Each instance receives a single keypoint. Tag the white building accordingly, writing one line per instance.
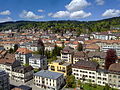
(23, 54)
(49, 80)
(38, 61)
(104, 36)
(110, 44)
(85, 71)
(89, 72)
(67, 54)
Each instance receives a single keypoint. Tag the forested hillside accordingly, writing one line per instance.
(63, 26)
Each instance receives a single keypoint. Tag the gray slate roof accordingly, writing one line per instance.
(48, 74)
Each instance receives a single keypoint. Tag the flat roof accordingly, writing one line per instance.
(48, 74)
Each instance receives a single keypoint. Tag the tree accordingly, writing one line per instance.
(79, 83)
(56, 51)
(111, 58)
(70, 82)
(80, 47)
(106, 87)
(15, 47)
(11, 50)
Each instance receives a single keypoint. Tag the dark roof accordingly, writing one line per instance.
(96, 54)
(48, 74)
(37, 56)
(67, 49)
(114, 67)
(23, 69)
(79, 54)
(24, 87)
(89, 65)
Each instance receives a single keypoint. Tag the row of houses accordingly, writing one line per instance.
(89, 72)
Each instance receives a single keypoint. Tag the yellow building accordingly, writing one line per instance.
(61, 67)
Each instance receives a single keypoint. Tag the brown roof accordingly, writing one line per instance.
(92, 46)
(88, 65)
(9, 58)
(115, 67)
(101, 54)
(67, 49)
(79, 54)
(23, 51)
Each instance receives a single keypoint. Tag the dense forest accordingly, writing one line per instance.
(63, 26)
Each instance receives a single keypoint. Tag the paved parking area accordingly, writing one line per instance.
(29, 83)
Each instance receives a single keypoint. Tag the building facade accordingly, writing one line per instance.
(61, 67)
(4, 80)
(22, 73)
(38, 61)
(49, 80)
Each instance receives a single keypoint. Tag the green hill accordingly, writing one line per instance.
(63, 26)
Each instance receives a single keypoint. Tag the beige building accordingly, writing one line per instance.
(67, 54)
(89, 71)
(114, 75)
(79, 56)
(85, 71)
(61, 67)
(49, 80)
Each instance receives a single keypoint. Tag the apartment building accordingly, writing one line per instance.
(98, 56)
(109, 44)
(114, 75)
(23, 54)
(8, 62)
(79, 56)
(61, 67)
(38, 61)
(102, 77)
(85, 71)
(49, 80)
(4, 81)
(67, 54)
(88, 71)
(22, 73)
(103, 36)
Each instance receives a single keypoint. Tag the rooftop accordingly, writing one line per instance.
(89, 65)
(48, 74)
(37, 56)
(115, 67)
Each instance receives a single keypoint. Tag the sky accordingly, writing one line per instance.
(47, 10)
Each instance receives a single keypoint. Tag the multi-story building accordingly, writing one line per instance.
(23, 54)
(102, 77)
(67, 54)
(88, 71)
(4, 81)
(85, 71)
(114, 75)
(98, 56)
(61, 67)
(109, 44)
(34, 45)
(49, 80)
(22, 73)
(38, 61)
(8, 62)
(104, 36)
(79, 56)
